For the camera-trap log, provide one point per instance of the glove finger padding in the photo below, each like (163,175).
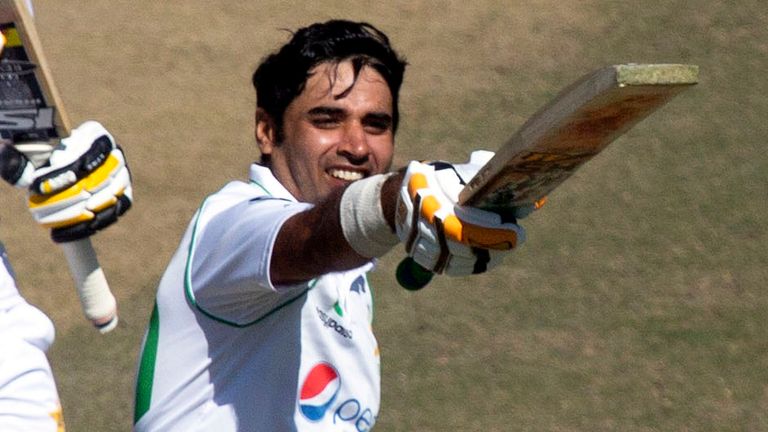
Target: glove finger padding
(74,158)
(101,193)
(442,237)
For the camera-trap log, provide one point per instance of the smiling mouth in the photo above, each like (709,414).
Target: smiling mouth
(345,175)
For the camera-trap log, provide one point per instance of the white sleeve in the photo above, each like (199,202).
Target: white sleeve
(230,251)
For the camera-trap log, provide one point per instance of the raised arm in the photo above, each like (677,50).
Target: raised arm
(416,208)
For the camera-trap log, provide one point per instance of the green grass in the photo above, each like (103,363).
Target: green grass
(637,303)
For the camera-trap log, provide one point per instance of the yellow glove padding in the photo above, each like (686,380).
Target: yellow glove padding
(85,187)
(440,235)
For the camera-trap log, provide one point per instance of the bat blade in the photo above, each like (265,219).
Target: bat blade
(30,105)
(31,116)
(579,123)
(572,129)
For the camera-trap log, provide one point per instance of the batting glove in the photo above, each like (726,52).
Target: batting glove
(440,235)
(84,187)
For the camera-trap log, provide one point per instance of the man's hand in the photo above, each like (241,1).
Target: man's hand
(84,187)
(443,237)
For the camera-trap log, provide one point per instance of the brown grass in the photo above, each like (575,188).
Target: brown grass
(637,303)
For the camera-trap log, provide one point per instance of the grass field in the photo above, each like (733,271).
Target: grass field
(637,303)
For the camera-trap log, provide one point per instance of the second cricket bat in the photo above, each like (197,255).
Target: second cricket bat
(563,135)
(31,118)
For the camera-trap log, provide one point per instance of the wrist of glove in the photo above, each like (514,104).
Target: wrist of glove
(15,167)
(84,187)
(440,235)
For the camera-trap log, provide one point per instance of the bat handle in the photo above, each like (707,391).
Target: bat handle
(98,303)
(411,276)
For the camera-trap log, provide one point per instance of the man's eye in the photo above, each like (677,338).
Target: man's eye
(377,126)
(324,122)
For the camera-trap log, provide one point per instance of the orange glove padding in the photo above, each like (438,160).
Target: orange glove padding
(443,237)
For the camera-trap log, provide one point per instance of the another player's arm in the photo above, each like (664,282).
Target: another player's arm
(97,300)
(83,188)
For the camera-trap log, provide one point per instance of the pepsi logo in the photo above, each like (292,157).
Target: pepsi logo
(318,391)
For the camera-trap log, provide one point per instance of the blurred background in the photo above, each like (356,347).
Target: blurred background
(637,303)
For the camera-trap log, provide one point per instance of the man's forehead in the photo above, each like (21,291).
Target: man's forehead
(337,79)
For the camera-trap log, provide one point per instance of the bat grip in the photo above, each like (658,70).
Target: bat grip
(97,301)
(411,276)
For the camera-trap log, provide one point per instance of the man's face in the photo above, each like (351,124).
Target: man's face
(331,141)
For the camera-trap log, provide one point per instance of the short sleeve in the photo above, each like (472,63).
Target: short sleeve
(227,269)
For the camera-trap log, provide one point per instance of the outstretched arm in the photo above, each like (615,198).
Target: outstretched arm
(417,207)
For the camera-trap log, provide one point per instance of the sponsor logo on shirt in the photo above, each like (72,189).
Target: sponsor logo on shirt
(318,391)
(358,285)
(318,398)
(331,323)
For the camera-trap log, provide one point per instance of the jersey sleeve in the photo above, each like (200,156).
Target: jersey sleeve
(9,294)
(230,249)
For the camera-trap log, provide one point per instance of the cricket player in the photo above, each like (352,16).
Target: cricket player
(89,187)
(263,318)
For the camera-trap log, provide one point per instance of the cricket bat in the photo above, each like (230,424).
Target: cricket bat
(32,118)
(580,122)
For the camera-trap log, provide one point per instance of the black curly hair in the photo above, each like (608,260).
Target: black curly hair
(282,75)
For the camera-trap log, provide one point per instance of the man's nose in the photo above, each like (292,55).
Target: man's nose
(354,144)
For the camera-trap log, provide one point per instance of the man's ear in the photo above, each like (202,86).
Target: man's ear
(266,132)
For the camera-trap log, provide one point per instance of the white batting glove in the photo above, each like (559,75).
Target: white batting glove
(84,187)
(443,237)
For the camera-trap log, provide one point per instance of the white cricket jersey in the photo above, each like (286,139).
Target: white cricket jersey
(28,397)
(9,294)
(226,350)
